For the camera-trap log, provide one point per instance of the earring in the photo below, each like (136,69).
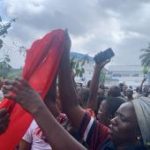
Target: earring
(138,138)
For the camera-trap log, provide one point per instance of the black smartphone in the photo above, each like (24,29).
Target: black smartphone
(104,55)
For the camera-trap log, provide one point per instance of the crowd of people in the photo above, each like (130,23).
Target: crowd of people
(79,118)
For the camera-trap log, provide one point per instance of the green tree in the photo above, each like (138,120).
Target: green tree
(77,65)
(5,67)
(1,43)
(145,70)
(102,77)
(145,56)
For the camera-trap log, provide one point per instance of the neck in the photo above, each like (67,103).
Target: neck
(122,146)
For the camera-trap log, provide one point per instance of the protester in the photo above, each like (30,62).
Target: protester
(114,91)
(93,100)
(146,91)
(94,133)
(127,129)
(91,96)
(41,66)
(129,94)
(34,138)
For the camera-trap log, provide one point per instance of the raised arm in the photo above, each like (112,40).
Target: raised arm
(50,100)
(68,95)
(92,100)
(22,93)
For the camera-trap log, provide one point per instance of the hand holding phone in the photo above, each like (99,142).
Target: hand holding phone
(104,55)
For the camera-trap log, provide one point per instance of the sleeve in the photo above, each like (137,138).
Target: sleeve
(28,135)
(92,132)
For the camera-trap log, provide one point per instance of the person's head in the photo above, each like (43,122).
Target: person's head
(83,96)
(129,94)
(108,108)
(101,86)
(100,94)
(121,86)
(146,91)
(137,89)
(114,91)
(81,85)
(125,87)
(88,84)
(131,123)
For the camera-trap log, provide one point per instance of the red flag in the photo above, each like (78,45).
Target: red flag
(41,66)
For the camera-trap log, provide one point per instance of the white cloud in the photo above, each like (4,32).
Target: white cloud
(93,25)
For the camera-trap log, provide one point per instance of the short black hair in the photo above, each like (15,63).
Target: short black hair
(113,103)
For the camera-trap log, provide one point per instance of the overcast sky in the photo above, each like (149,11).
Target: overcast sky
(94,25)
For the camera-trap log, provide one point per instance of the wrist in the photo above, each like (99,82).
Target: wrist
(37,109)
(98,67)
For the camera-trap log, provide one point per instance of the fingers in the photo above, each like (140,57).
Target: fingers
(10,95)
(67,40)
(22,82)
(17,83)
(20,92)
(11,89)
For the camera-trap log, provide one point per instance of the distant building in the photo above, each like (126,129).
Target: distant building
(132,75)
(89,70)
(129,74)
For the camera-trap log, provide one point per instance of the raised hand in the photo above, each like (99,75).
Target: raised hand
(67,41)
(21,92)
(104,56)
(101,65)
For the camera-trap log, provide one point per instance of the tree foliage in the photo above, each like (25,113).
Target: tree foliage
(77,66)
(1,43)
(102,77)
(145,56)
(5,67)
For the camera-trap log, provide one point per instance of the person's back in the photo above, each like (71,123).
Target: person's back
(35,138)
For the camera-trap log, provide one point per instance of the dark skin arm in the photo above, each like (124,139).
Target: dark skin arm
(92,100)
(50,100)
(22,93)
(68,94)
(51,105)
(24,145)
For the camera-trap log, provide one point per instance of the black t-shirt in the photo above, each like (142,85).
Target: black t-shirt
(108,145)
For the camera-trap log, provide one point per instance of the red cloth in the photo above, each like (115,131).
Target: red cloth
(41,66)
